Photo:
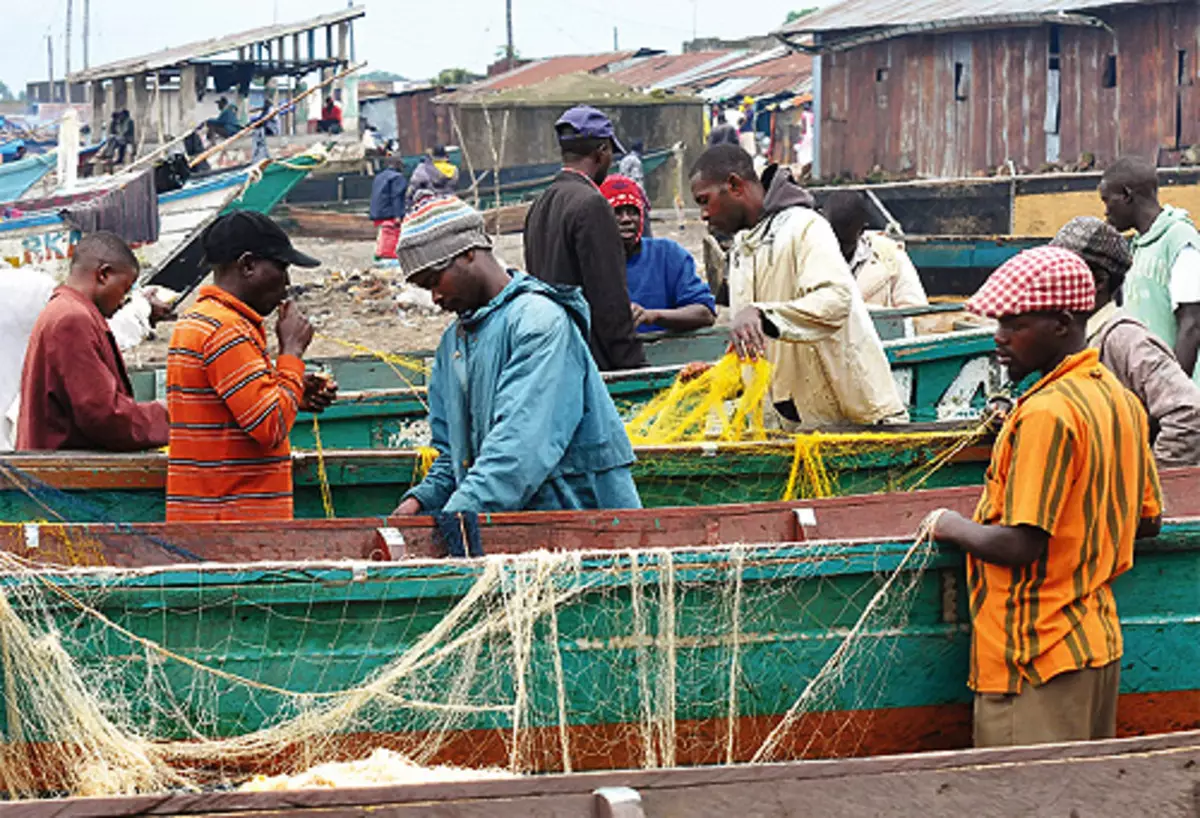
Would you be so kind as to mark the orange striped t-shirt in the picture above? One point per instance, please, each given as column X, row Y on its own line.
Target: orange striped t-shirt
column 1074, row 460
column 231, row 412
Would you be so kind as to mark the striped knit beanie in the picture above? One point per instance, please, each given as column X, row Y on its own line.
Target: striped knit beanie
column 436, row 231
column 1099, row 244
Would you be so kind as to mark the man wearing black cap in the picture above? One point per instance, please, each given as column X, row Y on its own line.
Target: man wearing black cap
column 232, row 410
column 571, row 237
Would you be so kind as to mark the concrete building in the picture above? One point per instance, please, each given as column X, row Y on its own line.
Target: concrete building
column 961, row 87
column 168, row 92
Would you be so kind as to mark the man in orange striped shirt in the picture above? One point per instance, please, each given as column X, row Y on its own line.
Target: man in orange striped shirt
column 1071, row 484
column 231, row 410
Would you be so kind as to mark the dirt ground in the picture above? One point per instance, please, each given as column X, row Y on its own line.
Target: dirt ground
column 350, row 300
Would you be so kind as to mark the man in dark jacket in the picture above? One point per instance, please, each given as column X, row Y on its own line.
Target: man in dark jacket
column 571, row 237
column 387, row 205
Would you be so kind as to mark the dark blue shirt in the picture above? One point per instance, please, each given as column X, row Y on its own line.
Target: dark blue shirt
column 387, row 195
column 662, row 276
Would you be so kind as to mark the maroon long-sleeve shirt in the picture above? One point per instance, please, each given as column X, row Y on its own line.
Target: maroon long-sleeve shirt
column 75, row 392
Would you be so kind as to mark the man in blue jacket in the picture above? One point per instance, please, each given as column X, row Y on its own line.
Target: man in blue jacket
column 387, row 205
column 520, row 415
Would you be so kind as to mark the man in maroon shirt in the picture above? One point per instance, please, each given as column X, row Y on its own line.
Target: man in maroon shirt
column 75, row 393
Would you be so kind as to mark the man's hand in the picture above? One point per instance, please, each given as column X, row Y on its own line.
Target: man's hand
column 159, row 310
column 319, row 392
column 693, row 370
column 643, row 316
column 746, row 334
column 293, row 330
column 408, row 508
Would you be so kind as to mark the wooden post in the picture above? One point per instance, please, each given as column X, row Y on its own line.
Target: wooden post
column 141, row 110
column 187, row 99
column 120, row 93
column 346, row 91
column 97, row 122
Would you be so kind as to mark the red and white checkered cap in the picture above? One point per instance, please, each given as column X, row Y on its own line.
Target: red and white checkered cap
column 1043, row 279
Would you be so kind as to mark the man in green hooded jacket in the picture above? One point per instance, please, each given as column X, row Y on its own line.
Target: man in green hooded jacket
column 1162, row 289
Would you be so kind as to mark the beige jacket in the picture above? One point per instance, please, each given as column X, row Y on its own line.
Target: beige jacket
column 885, row 274
column 828, row 357
column 1148, row 368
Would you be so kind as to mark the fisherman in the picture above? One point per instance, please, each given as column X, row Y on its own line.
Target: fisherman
column 789, row 282
column 571, row 237
column 231, row 408
column 520, row 415
column 426, row 181
column 1071, row 484
column 268, row 126
column 331, row 118
column 885, row 275
column 441, row 161
column 631, row 164
column 665, row 292
column 225, row 124
column 75, row 392
column 1142, row 362
column 388, row 192
column 1163, row 287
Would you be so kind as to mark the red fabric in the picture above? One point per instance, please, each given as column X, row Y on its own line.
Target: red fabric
column 1042, row 279
column 621, row 191
column 75, row 393
column 389, row 236
column 332, row 113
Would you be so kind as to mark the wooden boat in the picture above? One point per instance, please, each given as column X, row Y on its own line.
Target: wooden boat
column 738, row 671
column 1153, row 775
column 356, row 225
column 19, row 175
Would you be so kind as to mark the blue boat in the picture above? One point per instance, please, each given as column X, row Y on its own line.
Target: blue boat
column 18, row 176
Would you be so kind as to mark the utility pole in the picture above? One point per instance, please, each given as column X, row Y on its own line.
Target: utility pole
column 50, row 63
column 509, row 52
column 86, row 31
column 70, row 10
column 616, row 42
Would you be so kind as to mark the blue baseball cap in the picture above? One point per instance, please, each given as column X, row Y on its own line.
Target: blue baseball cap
column 587, row 123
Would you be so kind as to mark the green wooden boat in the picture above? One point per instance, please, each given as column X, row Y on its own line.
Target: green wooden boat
column 669, row 657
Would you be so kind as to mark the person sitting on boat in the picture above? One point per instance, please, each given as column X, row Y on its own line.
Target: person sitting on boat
column 225, row 124
column 539, row 430
column 388, row 193
column 884, row 273
column 1072, row 483
column 331, row 118
column 789, row 283
column 75, row 392
column 1162, row 289
column 665, row 291
column 231, row 408
column 1142, row 362
column 571, row 237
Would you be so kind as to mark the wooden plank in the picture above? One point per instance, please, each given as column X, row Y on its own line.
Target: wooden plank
column 1157, row 775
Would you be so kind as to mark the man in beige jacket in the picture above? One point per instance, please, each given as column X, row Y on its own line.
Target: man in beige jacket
column 789, row 283
column 882, row 269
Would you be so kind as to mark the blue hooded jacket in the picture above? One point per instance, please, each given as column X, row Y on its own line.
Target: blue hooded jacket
column 520, row 415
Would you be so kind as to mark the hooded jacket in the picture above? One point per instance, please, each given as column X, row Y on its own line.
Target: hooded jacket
column 827, row 356
column 519, row 413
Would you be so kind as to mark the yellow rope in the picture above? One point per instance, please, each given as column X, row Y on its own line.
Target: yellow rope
column 426, row 455
column 394, row 363
column 322, row 477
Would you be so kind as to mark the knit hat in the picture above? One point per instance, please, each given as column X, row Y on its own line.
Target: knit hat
column 436, row 231
column 621, row 191
column 1099, row 244
column 1039, row 280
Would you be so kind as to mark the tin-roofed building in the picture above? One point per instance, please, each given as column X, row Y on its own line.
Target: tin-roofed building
column 958, row 87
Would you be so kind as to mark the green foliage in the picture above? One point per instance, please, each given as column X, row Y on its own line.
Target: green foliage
column 5, row 93
column 381, row 76
column 455, row 76
column 793, row 16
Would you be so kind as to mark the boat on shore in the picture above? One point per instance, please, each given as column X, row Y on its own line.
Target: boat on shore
column 19, row 175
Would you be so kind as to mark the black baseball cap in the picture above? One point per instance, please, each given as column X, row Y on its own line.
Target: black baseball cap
column 244, row 231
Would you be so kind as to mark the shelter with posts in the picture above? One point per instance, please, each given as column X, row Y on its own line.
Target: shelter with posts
column 169, row 92
column 962, row 87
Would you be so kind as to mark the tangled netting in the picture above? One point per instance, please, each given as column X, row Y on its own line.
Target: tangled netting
column 122, row 681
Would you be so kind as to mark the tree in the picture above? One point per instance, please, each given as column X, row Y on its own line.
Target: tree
column 381, row 76
column 5, row 94
column 455, row 76
column 793, row 16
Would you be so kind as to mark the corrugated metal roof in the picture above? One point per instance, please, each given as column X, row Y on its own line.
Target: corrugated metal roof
column 726, row 88
column 207, row 48
column 544, row 69
column 855, row 14
column 665, row 68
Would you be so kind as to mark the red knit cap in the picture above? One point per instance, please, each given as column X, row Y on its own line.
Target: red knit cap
column 1043, row 279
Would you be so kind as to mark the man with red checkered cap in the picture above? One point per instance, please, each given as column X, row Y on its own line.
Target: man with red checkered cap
column 1071, row 484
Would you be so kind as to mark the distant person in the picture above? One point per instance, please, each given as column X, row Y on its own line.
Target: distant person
column 1143, row 363
column 232, row 409
column 723, row 134
column 571, row 237
column 793, row 298
column 428, row 181
column 122, row 133
column 520, row 415
column 665, row 292
column 388, row 195
column 331, row 118
column 441, row 161
column 631, row 164
column 885, row 275
column 1163, row 287
column 75, row 391
column 225, row 124
column 268, row 126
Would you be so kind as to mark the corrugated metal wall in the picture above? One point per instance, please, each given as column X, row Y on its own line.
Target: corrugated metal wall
column 420, row 125
column 959, row 104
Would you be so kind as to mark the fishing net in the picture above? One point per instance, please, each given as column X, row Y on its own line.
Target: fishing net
column 122, row 681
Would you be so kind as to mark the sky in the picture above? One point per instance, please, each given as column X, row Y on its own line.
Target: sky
column 414, row 38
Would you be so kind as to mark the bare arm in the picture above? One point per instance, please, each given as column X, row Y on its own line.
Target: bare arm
column 677, row 319
column 1187, row 339
column 1009, row 545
